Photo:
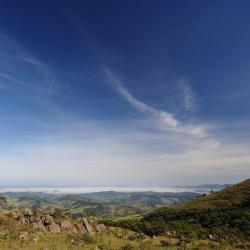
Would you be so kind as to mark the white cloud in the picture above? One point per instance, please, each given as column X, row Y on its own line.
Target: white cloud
column 22, row 73
column 121, row 153
column 168, row 119
column 188, row 95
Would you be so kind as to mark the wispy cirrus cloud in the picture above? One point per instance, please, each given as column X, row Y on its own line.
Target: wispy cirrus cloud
column 188, row 96
column 120, row 153
column 22, row 73
column 168, row 119
column 7, row 77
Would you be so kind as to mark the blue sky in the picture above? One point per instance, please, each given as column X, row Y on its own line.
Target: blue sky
column 124, row 92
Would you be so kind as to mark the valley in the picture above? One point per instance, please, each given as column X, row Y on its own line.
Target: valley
column 117, row 220
column 106, row 204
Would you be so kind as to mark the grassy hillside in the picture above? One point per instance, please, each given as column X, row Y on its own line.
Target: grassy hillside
column 236, row 195
column 223, row 215
column 220, row 220
column 15, row 236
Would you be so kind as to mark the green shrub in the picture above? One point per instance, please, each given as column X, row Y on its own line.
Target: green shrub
column 164, row 243
column 140, row 236
column 88, row 239
column 59, row 212
column 103, row 247
column 127, row 247
column 132, row 237
column 146, row 245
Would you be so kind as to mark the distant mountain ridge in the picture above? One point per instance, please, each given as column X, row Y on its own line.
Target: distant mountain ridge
column 208, row 186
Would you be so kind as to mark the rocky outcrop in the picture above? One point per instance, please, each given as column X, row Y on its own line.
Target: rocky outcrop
column 51, row 222
column 171, row 233
column 39, row 225
column 66, row 225
column 100, row 228
column 90, row 229
column 54, row 228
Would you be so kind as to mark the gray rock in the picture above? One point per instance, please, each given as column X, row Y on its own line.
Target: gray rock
column 100, row 228
column 30, row 213
column 54, row 228
column 23, row 220
column 39, row 225
column 80, row 228
column 14, row 215
column 48, row 220
column 66, row 225
column 90, row 229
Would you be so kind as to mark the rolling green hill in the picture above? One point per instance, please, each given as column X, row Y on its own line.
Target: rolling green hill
column 236, row 195
column 107, row 204
column 220, row 220
column 220, row 215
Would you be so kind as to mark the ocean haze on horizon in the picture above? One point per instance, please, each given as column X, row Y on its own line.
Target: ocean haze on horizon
column 84, row 190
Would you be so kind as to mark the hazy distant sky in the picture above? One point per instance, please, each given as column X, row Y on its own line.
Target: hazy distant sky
column 124, row 92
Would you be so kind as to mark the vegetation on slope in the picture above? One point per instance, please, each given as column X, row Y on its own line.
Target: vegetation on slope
column 236, row 195
column 220, row 220
column 16, row 235
column 221, row 215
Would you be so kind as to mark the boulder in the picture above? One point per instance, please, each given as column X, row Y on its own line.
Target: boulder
column 66, row 225
column 80, row 228
column 211, row 237
column 31, row 219
column 14, row 215
column 48, row 220
column 171, row 233
column 100, row 228
column 54, row 228
column 29, row 212
column 23, row 220
column 39, row 225
column 90, row 229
